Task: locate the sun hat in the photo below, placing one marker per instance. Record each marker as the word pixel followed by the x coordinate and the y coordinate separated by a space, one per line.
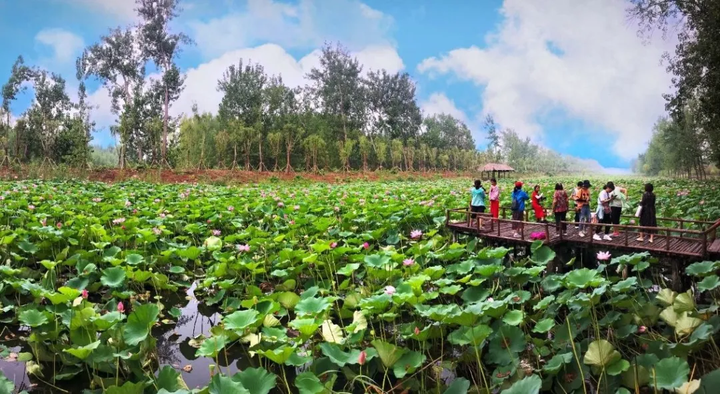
pixel 518 184
pixel 586 183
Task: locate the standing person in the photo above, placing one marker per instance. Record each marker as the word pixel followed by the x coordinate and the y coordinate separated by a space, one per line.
pixel 604 214
pixel 560 208
pixel 477 201
pixel 536 198
pixel 494 198
pixel 618 197
pixel 582 205
pixel 575 193
pixel 518 207
pixel 647 213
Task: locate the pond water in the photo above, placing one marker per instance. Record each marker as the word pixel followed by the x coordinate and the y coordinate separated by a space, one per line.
pixel 173 348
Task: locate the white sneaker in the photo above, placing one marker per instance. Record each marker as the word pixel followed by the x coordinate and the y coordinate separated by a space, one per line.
pixel 597 237
pixel 516 235
pixel 581 234
pixel 565 234
pixel 607 238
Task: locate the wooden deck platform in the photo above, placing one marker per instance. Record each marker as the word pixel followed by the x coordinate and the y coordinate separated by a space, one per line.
pixel 702 243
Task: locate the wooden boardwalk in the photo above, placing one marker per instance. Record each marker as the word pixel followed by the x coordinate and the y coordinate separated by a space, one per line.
pixel 701 242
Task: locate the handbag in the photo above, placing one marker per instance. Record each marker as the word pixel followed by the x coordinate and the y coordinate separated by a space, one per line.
pixel 638 212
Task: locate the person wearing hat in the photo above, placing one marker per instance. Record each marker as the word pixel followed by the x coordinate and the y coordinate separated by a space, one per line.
pixel 582 203
pixel 518 207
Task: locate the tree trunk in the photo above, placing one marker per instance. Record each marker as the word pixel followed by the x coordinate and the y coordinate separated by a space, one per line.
pixel 165 124
pixel 261 166
pixel 121 159
pixel 234 163
pixel 364 162
pixel 247 158
pixel 288 150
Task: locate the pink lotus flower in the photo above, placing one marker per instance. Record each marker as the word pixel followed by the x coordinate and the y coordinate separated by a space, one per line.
pixel 43 221
pixel 120 307
pixel 58 225
pixel 362 357
pixel 156 231
pixel 84 294
pixel 490 299
pixel 119 221
pixel 31 207
pixel 280 204
pixel 243 248
pixel 97 199
pixel 292 222
pixel 157 200
pixel 389 290
pixel 415 234
pixel 702 202
pixel 162 215
pixel 417 331
pixel 297 207
pixel 642 329
pixel 408 262
pixel 231 208
pixel 632 221
pixel 216 232
pixel 337 209
pixel 604 256
pixel 366 245
pixel 333 245
pixel 128 203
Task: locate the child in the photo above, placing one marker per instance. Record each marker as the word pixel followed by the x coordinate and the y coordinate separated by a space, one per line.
pixel 494 198
pixel 582 204
pixel 575 193
pixel 477 201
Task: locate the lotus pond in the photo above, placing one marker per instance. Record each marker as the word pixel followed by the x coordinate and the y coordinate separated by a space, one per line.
pixel 313 288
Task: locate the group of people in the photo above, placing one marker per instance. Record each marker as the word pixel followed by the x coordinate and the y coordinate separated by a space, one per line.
pixel 611 201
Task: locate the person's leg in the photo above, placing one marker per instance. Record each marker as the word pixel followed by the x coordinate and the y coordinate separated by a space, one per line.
pixel 607 219
pixel 558 220
pixel 585 218
pixel 563 219
pixel 616 214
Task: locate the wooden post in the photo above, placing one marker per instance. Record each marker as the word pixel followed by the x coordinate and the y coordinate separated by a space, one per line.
pixel 704 245
pixel 447 217
pixel 547 231
pixel 626 236
pixel 667 240
pixel 681 228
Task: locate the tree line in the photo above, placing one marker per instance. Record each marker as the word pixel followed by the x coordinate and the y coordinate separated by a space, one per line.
pixel 342 119
pixel 686 141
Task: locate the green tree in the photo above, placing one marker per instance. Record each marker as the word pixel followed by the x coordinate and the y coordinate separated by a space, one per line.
pixel 122 72
pixel 391 105
pixel 365 147
pixel 20 73
pixel 695 65
pixel 275 142
pixel 381 152
pixel 162 46
pixel 396 153
pixel 314 144
pixel 444 131
pixel 493 137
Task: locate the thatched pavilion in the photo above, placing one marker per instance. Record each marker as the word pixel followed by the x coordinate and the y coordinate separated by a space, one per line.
pixel 494 170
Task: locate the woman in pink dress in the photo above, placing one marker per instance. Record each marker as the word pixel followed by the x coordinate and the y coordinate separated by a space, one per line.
pixel 494 199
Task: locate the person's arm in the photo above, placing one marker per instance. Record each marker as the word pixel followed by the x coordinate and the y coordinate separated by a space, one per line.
pixel 554 201
pixel 605 200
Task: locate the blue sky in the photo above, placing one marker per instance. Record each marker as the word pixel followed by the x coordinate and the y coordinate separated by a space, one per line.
pixel 570 74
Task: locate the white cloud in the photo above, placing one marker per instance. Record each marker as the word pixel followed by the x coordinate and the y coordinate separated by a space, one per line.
pixel 65 45
pixel 201 81
pixel 308 24
pixel 602 73
pixel 123 10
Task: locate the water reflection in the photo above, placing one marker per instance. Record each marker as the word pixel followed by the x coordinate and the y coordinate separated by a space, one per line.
pixel 173 348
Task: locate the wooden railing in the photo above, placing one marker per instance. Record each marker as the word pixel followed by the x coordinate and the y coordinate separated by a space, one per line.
pixel 702 238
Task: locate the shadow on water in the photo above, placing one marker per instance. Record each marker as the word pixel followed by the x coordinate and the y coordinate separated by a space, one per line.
pixel 173 348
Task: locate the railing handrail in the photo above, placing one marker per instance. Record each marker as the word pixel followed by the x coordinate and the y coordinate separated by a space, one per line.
pixel 592 225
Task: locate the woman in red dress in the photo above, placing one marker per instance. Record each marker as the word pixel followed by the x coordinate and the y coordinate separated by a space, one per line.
pixel 536 199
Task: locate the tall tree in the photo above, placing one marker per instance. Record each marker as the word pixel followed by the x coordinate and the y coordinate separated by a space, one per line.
pixel 338 89
pixel 162 46
pixel 391 106
pixel 49 111
pixel 493 136
pixel 120 64
pixel 444 131
pixel 20 73
pixel 695 65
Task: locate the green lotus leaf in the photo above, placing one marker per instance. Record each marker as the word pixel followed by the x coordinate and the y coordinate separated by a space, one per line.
pixel 666 297
pixel 240 320
pixel 388 353
pixel 308 383
pixel 408 363
pixel 708 283
pixel 669 373
pixel 618 367
pixel 557 362
pixel 170 380
pixel 702 268
pixel 684 302
pixel 6 385
pixel 134 259
pixel 514 317
pixel 544 326
pixel 582 278
pixel 505 344
pixel 256 380
pixel 139 323
pixel 221 384
pixel 33 318
pixel 113 277
pixel 312 306
pixel 83 352
pixel 458 386
pixel 601 353
pixel 528 385
pixel 543 255
pixel 212 346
